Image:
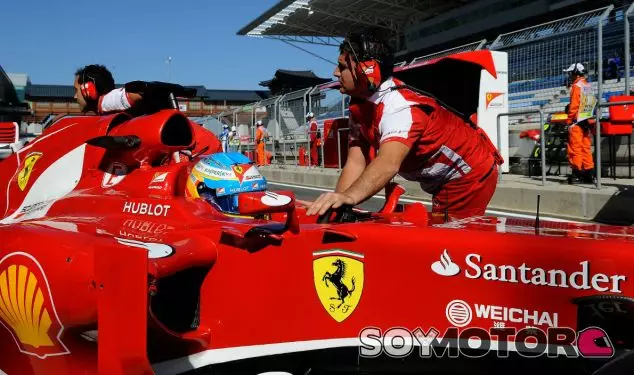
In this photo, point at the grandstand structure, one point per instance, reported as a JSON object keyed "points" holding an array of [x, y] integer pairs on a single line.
{"points": [[541, 38]]}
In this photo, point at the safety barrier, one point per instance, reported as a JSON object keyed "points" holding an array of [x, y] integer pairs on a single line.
{"points": [[598, 135]]}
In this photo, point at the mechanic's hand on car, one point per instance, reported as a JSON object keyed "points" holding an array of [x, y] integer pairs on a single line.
{"points": [[326, 201]]}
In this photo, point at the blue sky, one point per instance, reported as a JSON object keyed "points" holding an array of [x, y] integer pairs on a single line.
{"points": [[49, 40]]}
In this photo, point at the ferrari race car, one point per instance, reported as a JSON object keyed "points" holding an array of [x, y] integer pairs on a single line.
{"points": [[108, 266]]}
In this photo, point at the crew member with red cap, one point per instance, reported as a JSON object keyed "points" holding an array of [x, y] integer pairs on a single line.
{"points": [[396, 130], [580, 111]]}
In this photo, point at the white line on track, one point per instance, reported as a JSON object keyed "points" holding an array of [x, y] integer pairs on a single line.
{"points": [[409, 200]]}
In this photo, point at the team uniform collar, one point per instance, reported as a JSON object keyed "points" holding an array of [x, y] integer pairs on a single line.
{"points": [[383, 89]]}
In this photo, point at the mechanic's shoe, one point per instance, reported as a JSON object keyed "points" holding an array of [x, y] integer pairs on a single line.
{"points": [[575, 178], [588, 176]]}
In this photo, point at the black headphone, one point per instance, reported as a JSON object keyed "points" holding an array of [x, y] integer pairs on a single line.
{"points": [[365, 57]]}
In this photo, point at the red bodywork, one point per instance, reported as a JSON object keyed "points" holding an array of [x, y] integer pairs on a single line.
{"points": [[106, 267]]}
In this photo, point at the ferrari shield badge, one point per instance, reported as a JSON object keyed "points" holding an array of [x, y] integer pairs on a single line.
{"points": [[339, 280], [239, 170], [27, 310], [25, 172]]}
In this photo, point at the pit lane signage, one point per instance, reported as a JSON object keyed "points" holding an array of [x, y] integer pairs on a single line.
{"points": [[580, 279]]}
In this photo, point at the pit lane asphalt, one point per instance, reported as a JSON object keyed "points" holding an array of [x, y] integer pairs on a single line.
{"points": [[310, 193]]}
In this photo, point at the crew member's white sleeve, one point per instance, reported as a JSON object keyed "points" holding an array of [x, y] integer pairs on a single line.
{"points": [[115, 100]]}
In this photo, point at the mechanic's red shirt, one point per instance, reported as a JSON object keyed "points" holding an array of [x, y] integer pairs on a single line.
{"points": [[443, 146], [313, 131]]}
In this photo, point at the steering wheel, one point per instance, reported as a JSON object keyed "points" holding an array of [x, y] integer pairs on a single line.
{"points": [[345, 214]]}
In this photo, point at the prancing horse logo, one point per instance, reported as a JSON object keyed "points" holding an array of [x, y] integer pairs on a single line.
{"points": [[335, 278], [339, 277]]}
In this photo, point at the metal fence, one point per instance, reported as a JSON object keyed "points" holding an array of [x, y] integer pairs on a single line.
{"points": [[538, 55]]}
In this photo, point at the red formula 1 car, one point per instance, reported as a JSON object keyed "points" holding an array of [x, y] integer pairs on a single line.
{"points": [[106, 267]]}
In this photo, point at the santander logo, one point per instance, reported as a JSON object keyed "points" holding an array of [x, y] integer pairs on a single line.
{"points": [[445, 267], [576, 276]]}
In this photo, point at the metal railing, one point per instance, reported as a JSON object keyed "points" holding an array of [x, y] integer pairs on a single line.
{"points": [[542, 138], [626, 20]]}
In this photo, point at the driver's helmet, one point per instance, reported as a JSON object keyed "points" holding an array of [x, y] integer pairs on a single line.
{"points": [[221, 177]]}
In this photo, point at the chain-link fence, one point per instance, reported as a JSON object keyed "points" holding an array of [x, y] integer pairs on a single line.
{"points": [[538, 55], [627, 31]]}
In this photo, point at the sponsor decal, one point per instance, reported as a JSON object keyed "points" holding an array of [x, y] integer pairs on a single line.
{"points": [[252, 177], [445, 266], [158, 181], [240, 170], [214, 172], [27, 309], [581, 279], [494, 100], [148, 209], [240, 189], [221, 190], [159, 177], [143, 230], [25, 172], [477, 342], [275, 200], [460, 313], [31, 209], [339, 279], [115, 173], [254, 185], [155, 250]]}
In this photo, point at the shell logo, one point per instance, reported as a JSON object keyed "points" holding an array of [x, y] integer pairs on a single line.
{"points": [[26, 307]]}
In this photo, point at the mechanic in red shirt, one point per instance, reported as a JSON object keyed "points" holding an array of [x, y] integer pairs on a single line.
{"points": [[395, 130], [95, 92], [314, 141]]}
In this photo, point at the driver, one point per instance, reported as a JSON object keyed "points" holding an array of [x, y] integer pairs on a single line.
{"points": [[394, 129], [220, 178]]}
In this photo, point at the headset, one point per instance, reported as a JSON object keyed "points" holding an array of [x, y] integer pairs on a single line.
{"points": [[367, 64], [88, 87]]}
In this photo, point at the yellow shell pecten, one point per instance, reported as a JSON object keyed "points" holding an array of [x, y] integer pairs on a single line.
{"points": [[22, 306]]}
